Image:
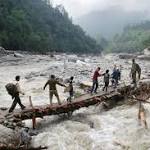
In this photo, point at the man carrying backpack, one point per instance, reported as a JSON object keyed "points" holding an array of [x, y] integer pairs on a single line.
{"points": [[14, 91]]}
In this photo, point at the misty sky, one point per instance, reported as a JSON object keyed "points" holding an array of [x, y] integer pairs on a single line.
{"points": [[77, 8]]}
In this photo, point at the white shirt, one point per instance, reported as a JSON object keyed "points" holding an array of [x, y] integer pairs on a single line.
{"points": [[18, 88]]}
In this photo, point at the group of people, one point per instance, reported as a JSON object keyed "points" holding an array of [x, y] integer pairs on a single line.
{"points": [[115, 77], [14, 90], [53, 81]]}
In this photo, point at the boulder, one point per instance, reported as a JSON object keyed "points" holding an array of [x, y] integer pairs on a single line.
{"points": [[85, 85], [147, 51], [144, 57], [127, 56], [81, 63], [72, 58], [2, 51], [18, 55], [7, 135]]}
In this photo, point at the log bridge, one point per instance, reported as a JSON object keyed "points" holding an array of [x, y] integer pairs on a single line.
{"points": [[111, 97]]}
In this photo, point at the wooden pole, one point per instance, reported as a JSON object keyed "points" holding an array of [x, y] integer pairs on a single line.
{"points": [[33, 118]]}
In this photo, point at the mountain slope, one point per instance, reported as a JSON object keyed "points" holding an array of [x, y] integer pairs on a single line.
{"points": [[34, 25], [109, 22], [134, 38]]}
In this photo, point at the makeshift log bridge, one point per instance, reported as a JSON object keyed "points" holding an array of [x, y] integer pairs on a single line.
{"points": [[84, 101]]}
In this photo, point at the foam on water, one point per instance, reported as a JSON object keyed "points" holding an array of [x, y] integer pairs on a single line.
{"points": [[89, 128]]}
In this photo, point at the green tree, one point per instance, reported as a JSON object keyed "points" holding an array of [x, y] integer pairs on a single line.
{"points": [[35, 25]]}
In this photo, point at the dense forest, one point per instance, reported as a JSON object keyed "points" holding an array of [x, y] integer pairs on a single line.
{"points": [[35, 25], [134, 38]]}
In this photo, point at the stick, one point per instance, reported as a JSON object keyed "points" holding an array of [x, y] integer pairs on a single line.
{"points": [[34, 118]]}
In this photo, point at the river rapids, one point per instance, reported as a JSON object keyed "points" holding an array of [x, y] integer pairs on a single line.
{"points": [[89, 128]]}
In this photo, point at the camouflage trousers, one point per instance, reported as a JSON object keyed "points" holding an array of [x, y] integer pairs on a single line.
{"points": [[134, 80], [51, 93]]}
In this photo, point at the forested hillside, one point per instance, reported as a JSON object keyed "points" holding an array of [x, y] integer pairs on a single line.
{"points": [[133, 39], [35, 25]]}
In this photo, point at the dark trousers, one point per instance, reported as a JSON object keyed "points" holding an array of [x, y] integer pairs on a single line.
{"points": [[106, 86], [16, 100], [71, 93], [94, 86], [114, 82], [134, 78]]}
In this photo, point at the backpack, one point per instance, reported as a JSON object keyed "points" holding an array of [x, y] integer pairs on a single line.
{"points": [[11, 89]]}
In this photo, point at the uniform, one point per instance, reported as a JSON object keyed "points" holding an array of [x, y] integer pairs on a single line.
{"points": [[52, 89], [134, 70]]}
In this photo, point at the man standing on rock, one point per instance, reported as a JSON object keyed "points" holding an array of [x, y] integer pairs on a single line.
{"points": [[16, 96], [134, 70], [52, 88], [95, 80]]}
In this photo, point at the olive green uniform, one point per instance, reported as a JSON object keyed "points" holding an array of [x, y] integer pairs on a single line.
{"points": [[134, 70], [52, 89]]}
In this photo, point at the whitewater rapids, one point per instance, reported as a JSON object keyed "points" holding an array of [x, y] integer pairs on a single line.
{"points": [[89, 128]]}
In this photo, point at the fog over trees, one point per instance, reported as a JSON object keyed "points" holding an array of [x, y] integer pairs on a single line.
{"points": [[35, 25]]}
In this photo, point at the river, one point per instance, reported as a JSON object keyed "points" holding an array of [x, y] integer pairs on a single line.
{"points": [[89, 128]]}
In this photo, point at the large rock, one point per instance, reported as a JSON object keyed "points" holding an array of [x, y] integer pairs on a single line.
{"points": [[7, 135], [18, 55], [147, 51], [144, 57], [127, 56], [2, 51], [72, 58], [85, 85]]}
